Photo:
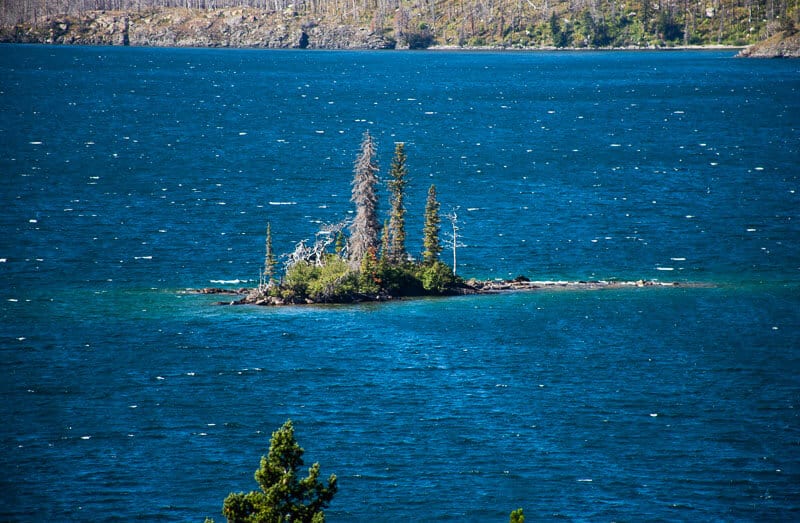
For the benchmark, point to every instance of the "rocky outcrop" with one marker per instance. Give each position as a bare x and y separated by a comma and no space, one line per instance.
233,27
782,45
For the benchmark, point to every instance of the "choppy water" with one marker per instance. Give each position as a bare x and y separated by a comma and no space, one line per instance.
127,175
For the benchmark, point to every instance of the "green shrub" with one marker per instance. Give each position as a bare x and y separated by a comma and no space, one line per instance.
400,280
437,277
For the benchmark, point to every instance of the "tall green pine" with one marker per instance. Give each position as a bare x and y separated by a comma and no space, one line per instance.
397,217
430,239
283,496
268,276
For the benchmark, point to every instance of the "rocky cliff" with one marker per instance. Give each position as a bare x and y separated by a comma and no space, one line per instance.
235,27
782,45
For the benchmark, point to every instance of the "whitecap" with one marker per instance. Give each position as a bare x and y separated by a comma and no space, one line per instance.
320,132
237,281
751,230
472,209
243,134
33,220
759,168
142,257
86,437
3,260
585,480
616,145
665,268
654,415
678,259
282,203
35,143
13,300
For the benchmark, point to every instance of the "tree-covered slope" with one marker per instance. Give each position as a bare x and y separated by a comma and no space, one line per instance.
403,23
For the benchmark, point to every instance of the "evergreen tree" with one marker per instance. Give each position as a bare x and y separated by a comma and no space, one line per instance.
397,218
430,239
384,243
365,227
339,246
268,276
283,497
517,516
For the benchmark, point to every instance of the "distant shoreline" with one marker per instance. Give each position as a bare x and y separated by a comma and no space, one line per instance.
255,28
434,48
455,48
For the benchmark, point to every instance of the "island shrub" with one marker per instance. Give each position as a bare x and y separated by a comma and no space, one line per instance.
299,278
437,277
401,280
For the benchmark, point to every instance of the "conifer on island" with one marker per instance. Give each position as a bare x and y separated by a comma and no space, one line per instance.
268,274
430,241
397,218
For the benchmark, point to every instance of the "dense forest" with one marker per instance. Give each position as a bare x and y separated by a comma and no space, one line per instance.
509,23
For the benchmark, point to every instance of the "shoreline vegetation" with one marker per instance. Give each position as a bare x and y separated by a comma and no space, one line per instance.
366,260
444,25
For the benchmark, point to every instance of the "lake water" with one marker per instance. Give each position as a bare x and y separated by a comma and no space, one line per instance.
128,175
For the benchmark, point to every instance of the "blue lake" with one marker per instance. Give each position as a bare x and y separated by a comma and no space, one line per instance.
128,175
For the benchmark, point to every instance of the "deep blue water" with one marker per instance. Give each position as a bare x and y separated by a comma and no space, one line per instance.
128,175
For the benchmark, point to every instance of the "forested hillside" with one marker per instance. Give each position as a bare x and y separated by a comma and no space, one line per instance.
421,23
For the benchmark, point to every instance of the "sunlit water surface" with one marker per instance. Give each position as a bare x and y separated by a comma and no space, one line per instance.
129,175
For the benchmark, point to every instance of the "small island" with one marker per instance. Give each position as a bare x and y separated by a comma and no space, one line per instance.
364,260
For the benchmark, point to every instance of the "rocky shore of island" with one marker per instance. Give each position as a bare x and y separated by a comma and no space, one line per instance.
255,296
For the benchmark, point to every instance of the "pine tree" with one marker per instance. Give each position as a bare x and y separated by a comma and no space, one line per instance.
365,227
283,496
384,243
268,276
517,516
339,246
397,218
430,239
